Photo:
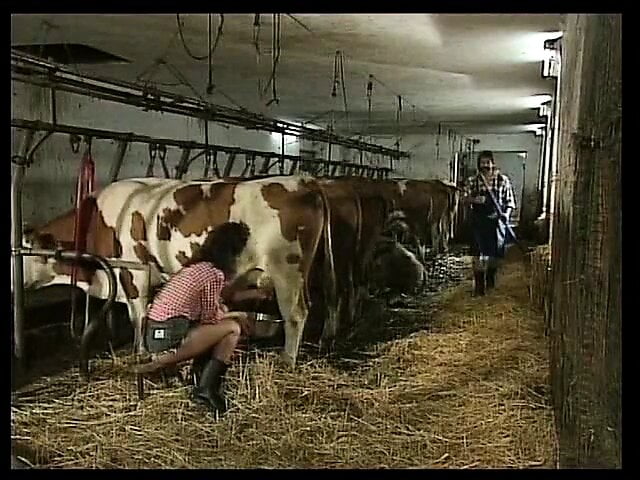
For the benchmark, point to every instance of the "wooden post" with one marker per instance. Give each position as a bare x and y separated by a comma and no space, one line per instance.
586,300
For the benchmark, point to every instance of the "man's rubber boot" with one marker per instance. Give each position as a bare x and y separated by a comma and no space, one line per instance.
479,287
491,278
208,390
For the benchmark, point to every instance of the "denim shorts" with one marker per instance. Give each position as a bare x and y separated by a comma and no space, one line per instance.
165,335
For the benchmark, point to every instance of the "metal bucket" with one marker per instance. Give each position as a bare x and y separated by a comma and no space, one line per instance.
267,326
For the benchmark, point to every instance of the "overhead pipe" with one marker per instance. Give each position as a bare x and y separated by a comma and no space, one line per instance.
25,68
183,165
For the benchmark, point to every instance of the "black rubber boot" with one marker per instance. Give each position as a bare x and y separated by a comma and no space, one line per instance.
197,366
491,278
208,390
479,287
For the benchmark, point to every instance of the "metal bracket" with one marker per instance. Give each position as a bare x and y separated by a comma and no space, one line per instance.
294,167
118,159
266,165
88,140
231,158
74,141
153,148
162,155
183,165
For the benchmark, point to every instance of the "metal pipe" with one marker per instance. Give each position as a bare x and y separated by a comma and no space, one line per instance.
281,165
54,114
17,178
75,256
117,161
126,137
17,264
111,295
28,69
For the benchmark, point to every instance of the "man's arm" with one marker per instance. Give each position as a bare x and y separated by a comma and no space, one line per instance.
508,199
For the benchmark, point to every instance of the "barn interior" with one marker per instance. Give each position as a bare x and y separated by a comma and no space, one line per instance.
381,96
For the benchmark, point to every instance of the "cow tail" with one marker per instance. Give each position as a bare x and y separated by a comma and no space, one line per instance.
358,243
329,271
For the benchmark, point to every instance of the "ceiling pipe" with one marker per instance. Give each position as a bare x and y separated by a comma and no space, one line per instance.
33,70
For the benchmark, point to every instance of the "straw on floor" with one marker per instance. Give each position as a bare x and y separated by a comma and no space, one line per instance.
471,391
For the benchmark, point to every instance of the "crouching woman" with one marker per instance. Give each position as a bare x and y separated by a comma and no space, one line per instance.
189,320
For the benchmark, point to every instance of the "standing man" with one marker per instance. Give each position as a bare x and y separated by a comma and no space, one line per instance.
488,220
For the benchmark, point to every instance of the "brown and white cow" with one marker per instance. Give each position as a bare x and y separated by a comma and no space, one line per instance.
429,207
162,222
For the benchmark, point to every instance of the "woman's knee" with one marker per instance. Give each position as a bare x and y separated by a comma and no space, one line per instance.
233,327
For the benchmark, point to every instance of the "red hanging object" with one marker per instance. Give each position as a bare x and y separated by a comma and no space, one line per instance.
84,187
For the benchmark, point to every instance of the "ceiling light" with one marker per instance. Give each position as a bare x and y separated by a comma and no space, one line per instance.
545,109
533,45
532,127
534,101
551,61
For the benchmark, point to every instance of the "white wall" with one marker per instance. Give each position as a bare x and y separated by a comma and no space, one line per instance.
50,182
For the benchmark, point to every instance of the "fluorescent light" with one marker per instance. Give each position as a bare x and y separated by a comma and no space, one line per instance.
534,101
533,127
544,110
532,45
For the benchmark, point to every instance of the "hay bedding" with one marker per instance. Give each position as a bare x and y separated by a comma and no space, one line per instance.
470,393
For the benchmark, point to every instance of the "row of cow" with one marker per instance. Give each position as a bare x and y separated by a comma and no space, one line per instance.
319,242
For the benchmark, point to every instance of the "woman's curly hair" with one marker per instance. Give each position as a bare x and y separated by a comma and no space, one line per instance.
222,246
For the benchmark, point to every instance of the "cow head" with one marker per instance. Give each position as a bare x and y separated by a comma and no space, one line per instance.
393,268
37,270
396,227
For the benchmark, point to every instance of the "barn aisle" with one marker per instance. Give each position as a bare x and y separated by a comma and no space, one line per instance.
469,391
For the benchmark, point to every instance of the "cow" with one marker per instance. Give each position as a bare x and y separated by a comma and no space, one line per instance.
429,208
161,223
395,269
359,211
346,225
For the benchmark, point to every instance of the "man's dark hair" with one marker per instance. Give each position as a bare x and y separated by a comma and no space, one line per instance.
485,154
222,246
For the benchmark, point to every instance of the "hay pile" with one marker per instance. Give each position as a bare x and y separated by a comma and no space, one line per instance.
471,393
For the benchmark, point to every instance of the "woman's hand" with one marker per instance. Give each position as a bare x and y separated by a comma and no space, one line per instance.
258,294
245,320
264,294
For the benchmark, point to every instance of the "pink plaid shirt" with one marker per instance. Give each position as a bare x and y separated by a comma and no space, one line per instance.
193,292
